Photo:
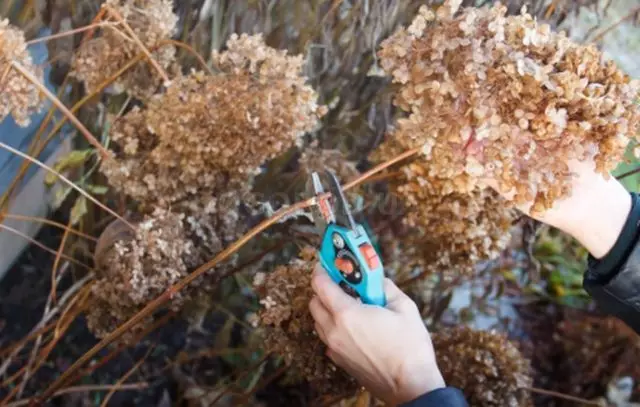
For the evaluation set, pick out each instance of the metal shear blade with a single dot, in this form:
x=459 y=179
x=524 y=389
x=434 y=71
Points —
x=334 y=209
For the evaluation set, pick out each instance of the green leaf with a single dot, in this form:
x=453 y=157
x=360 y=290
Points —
x=79 y=210
x=97 y=189
x=59 y=197
x=74 y=159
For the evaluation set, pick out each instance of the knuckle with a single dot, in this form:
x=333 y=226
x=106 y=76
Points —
x=344 y=318
x=333 y=339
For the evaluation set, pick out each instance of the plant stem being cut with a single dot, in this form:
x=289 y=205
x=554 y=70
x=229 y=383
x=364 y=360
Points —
x=225 y=254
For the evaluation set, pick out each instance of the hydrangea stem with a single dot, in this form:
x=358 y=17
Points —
x=127 y=27
x=92 y=140
x=66 y=180
x=226 y=253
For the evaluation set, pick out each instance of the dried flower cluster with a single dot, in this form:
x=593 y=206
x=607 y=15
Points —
x=505 y=98
x=487 y=367
x=102 y=57
x=289 y=327
x=592 y=351
x=136 y=270
x=196 y=149
x=18 y=96
x=452 y=231
x=209 y=132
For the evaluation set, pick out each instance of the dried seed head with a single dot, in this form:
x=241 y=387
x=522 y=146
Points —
x=504 y=97
x=138 y=269
x=18 y=96
x=289 y=327
x=102 y=57
x=487 y=367
x=211 y=132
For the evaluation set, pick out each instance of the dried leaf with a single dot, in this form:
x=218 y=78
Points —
x=74 y=159
x=79 y=210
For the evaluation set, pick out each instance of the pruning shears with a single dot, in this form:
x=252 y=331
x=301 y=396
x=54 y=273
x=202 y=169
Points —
x=346 y=251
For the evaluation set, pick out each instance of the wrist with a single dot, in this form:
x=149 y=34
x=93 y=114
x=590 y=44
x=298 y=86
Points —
x=594 y=214
x=419 y=375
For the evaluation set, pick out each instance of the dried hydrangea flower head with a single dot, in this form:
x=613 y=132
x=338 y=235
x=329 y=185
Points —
x=18 y=96
x=504 y=97
x=289 y=327
x=487 y=367
x=207 y=132
x=103 y=56
x=136 y=269
x=460 y=229
x=450 y=231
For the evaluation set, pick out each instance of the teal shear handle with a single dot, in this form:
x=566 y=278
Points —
x=352 y=262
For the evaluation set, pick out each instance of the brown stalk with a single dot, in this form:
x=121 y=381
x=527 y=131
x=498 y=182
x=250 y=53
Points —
x=86 y=388
x=124 y=346
x=92 y=140
x=628 y=173
x=66 y=180
x=124 y=378
x=22 y=342
x=54 y=269
x=50 y=223
x=226 y=253
x=70 y=32
x=381 y=167
x=4 y=75
x=43 y=247
x=615 y=25
x=6 y=196
x=114 y=13
x=33 y=145
x=99 y=17
x=191 y=50
x=562 y=396
x=243 y=374
x=44 y=354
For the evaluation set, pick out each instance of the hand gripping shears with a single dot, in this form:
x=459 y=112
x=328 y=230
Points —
x=346 y=251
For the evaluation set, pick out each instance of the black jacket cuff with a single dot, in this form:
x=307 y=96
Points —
x=446 y=397
x=604 y=269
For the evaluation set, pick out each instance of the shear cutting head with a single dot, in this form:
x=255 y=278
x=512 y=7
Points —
x=334 y=209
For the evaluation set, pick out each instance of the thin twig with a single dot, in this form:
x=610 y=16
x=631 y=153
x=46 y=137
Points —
x=51 y=300
x=628 y=173
x=54 y=269
x=220 y=257
x=615 y=25
x=561 y=396
x=70 y=32
x=114 y=13
x=50 y=223
x=192 y=51
x=170 y=292
x=66 y=180
x=87 y=388
x=43 y=247
x=39 y=330
x=92 y=140
x=381 y=167
x=22 y=342
x=124 y=378
x=123 y=346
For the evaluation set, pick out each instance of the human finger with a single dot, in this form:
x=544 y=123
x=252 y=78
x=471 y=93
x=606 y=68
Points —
x=330 y=293
x=397 y=300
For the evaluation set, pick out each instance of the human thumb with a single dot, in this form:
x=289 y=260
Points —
x=397 y=300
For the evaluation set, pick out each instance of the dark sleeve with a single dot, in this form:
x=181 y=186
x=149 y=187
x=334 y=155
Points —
x=614 y=280
x=447 y=397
